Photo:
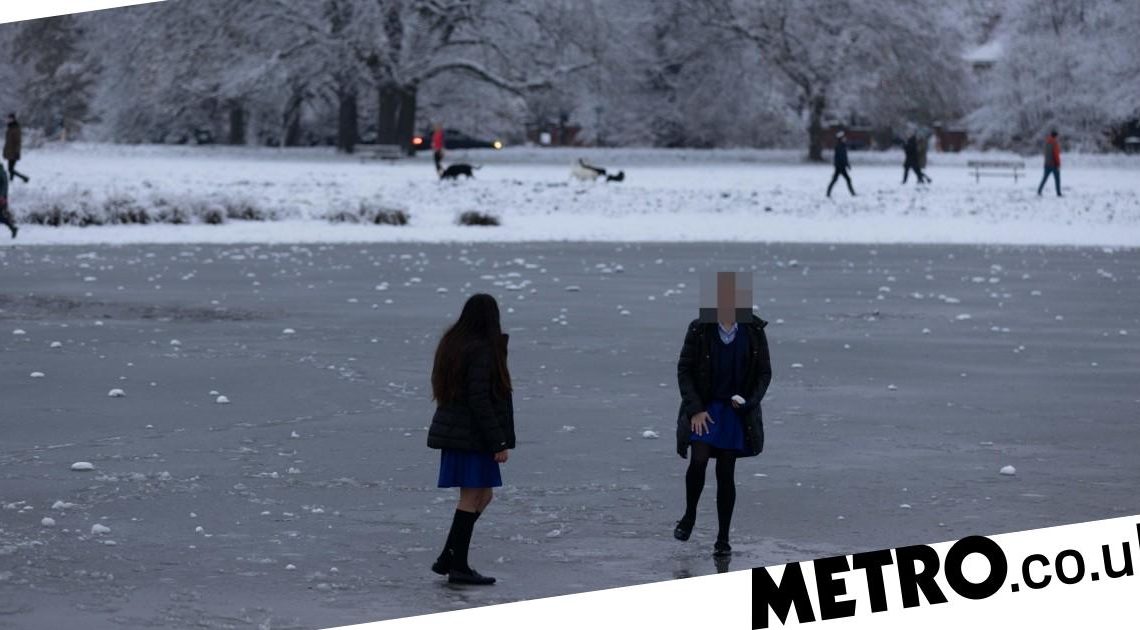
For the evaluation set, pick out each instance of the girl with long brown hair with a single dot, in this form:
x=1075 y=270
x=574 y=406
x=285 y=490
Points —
x=473 y=425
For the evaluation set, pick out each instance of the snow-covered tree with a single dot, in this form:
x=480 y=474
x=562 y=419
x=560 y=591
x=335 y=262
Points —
x=1069 y=64
x=844 y=54
x=57 y=76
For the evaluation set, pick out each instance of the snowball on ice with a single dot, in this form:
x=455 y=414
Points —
x=649 y=435
x=222 y=400
x=36 y=375
x=48 y=521
x=1008 y=470
x=80 y=467
x=116 y=393
x=99 y=528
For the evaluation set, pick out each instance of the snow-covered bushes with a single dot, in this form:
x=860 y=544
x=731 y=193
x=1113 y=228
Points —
x=80 y=208
x=368 y=213
x=471 y=217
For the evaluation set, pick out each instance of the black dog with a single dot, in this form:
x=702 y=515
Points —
x=455 y=170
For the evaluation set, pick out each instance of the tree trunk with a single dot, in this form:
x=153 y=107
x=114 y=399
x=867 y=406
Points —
x=386 y=123
x=397 y=116
x=346 y=130
x=406 y=123
x=815 y=130
x=237 y=123
x=291 y=122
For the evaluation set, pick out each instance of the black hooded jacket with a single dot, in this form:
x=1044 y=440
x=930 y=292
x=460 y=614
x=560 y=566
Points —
x=694 y=377
x=479 y=420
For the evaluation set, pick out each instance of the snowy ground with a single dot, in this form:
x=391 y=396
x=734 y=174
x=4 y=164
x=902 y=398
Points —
x=906 y=377
x=685 y=196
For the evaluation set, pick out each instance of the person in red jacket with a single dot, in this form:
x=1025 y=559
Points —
x=1052 y=162
x=437 y=146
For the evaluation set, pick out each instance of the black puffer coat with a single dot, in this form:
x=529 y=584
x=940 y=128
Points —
x=479 y=420
x=694 y=377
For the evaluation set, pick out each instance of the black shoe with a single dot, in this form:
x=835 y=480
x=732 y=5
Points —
x=442 y=564
x=722 y=549
x=14 y=231
x=683 y=530
x=469 y=576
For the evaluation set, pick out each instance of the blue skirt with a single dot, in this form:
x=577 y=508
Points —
x=726 y=431
x=468 y=469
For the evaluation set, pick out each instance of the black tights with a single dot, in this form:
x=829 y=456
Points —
x=840 y=172
x=725 y=485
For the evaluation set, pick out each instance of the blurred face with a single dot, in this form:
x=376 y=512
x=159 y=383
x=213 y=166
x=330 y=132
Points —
x=726 y=296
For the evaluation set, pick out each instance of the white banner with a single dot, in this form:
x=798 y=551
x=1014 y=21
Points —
x=15 y=10
x=1069 y=577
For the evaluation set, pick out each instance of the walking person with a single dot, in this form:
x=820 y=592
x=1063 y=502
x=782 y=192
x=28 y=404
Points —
x=473 y=425
x=913 y=159
x=723 y=373
x=437 y=147
x=922 y=143
x=5 y=212
x=13 y=143
x=842 y=165
x=1052 y=162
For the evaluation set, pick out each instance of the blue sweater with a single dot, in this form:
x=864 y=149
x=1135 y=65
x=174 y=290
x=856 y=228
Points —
x=729 y=363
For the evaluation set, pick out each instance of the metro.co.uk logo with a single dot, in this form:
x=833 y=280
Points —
x=913 y=570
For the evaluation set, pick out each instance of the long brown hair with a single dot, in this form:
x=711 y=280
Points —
x=479 y=322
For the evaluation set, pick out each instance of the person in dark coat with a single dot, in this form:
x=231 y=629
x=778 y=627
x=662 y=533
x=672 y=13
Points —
x=1052 y=163
x=5 y=213
x=473 y=425
x=923 y=144
x=842 y=165
x=723 y=373
x=13 y=143
x=913 y=159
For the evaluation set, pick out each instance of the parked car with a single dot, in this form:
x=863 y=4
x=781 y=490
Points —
x=454 y=139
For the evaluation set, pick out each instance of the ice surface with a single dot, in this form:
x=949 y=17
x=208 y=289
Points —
x=321 y=467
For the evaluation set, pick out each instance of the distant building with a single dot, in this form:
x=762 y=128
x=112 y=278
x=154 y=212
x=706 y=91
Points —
x=550 y=134
x=983 y=58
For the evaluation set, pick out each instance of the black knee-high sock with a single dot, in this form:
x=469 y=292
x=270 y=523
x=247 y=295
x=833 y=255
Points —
x=725 y=494
x=695 y=480
x=465 y=525
x=449 y=544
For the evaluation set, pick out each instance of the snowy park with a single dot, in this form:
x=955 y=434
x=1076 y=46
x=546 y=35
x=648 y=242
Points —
x=253 y=375
x=305 y=195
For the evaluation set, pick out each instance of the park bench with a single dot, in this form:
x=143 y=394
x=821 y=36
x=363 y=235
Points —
x=380 y=151
x=1003 y=168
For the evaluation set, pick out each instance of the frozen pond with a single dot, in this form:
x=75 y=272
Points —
x=905 y=375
